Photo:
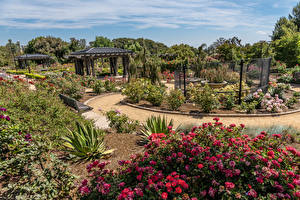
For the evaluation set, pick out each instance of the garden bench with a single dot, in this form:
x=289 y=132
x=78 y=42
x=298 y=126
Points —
x=80 y=107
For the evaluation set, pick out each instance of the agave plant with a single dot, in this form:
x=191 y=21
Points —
x=155 y=125
x=86 y=142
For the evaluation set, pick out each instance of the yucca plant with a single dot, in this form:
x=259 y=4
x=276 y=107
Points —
x=155 y=125
x=86 y=142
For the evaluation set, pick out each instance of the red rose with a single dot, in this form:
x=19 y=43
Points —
x=200 y=166
x=178 y=190
x=164 y=195
x=229 y=185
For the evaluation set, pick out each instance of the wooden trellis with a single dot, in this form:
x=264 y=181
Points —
x=85 y=59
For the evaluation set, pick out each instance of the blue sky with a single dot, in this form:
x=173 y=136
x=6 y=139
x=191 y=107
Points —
x=169 y=21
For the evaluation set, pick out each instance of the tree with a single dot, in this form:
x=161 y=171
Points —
x=76 y=45
x=183 y=51
x=282 y=27
x=49 y=45
x=230 y=49
x=202 y=51
x=101 y=41
x=122 y=42
x=295 y=16
x=4 y=56
x=288 y=49
x=261 y=49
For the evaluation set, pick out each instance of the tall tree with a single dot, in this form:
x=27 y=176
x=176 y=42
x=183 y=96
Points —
x=288 y=49
x=101 y=41
x=183 y=51
x=49 y=45
x=282 y=27
x=295 y=15
x=76 y=45
x=202 y=51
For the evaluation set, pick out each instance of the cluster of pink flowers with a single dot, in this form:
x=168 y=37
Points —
x=273 y=104
x=212 y=161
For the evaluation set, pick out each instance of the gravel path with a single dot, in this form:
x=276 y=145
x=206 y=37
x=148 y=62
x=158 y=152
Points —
x=107 y=103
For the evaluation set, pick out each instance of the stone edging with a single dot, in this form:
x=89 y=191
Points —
x=210 y=114
x=194 y=114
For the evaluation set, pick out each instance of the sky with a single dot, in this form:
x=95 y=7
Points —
x=191 y=22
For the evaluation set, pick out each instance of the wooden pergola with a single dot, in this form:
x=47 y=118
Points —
x=85 y=59
x=22 y=60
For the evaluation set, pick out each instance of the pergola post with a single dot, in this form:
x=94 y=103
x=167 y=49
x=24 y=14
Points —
x=87 y=66
x=125 y=60
x=76 y=67
x=93 y=67
x=113 y=65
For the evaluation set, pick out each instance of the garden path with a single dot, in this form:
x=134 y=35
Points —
x=100 y=120
x=106 y=103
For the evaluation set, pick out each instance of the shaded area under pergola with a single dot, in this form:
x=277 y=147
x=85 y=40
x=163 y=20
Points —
x=22 y=60
x=85 y=59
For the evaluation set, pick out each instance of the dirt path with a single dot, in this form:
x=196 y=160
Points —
x=107 y=103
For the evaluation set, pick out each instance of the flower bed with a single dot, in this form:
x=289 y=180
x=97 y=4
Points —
x=212 y=161
x=200 y=100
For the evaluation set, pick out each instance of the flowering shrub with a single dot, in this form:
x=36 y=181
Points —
x=23 y=169
x=175 y=99
x=69 y=84
x=273 y=104
x=272 y=101
x=37 y=111
x=142 y=89
x=155 y=94
x=135 y=90
x=110 y=85
x=206 y=99
x=280 y=67
x=168 y=76
x=212 y=161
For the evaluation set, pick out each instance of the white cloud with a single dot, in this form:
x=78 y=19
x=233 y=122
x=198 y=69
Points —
x=219 y=14
x=261 y=32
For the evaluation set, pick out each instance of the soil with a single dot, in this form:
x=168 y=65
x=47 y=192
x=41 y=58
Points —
x=125 y=145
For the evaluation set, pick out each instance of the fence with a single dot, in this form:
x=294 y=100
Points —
x=255 y=73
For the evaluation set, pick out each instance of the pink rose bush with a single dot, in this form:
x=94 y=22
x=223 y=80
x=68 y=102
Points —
x=212 y=161
x=273 y=104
